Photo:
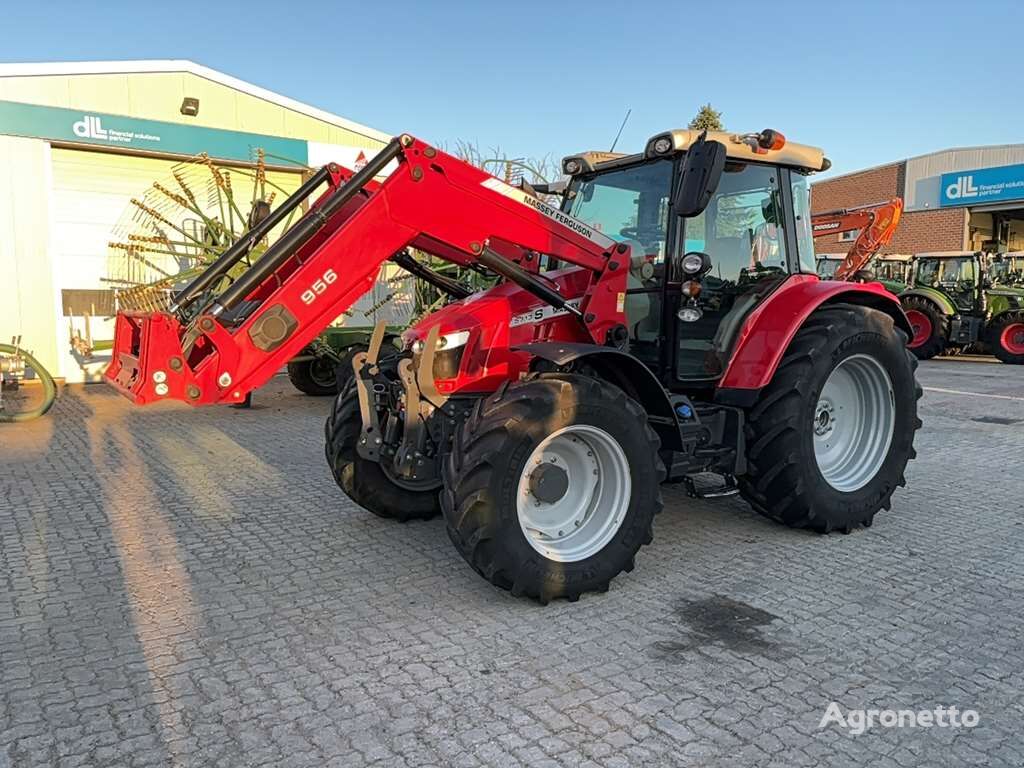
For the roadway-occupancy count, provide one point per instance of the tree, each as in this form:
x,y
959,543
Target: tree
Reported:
x,y
707,119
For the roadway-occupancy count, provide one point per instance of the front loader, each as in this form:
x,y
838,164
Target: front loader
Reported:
x,y
664,321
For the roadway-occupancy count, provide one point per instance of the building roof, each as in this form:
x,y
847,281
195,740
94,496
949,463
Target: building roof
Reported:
x,y
35,69
923,157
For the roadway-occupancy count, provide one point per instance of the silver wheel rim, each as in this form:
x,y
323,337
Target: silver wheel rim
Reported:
x,y
593,507
853,423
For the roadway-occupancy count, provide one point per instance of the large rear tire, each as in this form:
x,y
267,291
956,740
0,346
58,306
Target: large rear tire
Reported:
x,y
1006,338
831,435
929,327
364,481
552,486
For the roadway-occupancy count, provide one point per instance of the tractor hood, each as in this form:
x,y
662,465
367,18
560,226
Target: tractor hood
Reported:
x,y
479,336
505,306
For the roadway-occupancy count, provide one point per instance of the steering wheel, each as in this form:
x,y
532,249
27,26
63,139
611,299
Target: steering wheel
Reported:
x,y
643,234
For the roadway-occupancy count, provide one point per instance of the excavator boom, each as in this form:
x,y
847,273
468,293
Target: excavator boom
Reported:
x,y
876,224
330,257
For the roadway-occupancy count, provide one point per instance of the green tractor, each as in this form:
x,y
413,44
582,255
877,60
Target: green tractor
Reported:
x,y
955,300
891,270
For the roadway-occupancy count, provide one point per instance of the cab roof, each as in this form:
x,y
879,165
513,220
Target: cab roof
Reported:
x,y
738,147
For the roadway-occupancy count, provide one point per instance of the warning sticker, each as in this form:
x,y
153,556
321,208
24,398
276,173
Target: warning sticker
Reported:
x,y
550,211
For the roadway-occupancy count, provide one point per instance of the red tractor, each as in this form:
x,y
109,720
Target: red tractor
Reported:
x,y
664,321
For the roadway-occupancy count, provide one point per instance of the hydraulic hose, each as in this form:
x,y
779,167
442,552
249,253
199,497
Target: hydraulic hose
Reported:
x,y
49,388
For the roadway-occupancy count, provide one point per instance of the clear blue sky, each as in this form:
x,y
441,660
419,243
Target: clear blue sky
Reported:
x,y
868,81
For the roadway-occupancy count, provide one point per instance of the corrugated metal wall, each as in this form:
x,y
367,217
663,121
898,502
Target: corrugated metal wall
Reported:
x,y
921,189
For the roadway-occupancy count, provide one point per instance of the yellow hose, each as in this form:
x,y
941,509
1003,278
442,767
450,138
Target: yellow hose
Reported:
x,y
49,388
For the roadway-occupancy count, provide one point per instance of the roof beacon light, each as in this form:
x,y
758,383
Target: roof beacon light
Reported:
x,y
769,139
761,142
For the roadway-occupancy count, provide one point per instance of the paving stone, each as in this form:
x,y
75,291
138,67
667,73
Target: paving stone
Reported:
x,y
189,587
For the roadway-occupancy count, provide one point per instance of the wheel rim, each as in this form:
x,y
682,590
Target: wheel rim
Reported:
x,y
321,371
854,422
586,516
1012,338
921,325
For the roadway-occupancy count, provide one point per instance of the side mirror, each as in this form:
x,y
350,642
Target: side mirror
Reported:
x,y
702,170
551,188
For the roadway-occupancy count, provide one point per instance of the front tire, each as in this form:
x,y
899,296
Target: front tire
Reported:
x,y
831,434
364,481
559,532
929,327
1006,338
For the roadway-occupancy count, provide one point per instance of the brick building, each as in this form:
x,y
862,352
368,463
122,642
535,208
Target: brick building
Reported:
x,y
956,199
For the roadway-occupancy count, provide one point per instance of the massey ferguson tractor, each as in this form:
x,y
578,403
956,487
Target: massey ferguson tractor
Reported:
x,y
664,321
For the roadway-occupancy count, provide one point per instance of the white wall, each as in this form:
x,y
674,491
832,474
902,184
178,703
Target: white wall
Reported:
x,y
28,306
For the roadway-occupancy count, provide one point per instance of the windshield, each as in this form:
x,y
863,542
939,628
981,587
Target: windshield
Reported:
x,y
945,272
1007,271
628,205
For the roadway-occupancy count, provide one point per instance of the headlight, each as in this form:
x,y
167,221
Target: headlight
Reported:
x,y
690,314
663,145
572,167
447,341
693,263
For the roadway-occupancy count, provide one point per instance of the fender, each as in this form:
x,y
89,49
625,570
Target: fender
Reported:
x,y
936,297
768,330
626,372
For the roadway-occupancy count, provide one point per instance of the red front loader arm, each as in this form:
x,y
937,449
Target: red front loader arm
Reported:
x,y
877,224
328,259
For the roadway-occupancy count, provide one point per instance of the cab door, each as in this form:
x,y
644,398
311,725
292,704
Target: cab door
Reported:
x,y
745,232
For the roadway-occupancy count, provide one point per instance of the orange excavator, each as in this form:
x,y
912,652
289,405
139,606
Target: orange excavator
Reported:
x,y
876,222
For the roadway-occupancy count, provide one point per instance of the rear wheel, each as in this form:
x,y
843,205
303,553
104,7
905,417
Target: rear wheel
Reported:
x,y
553,485
365,481
313,377
929,327
1006,337
831,435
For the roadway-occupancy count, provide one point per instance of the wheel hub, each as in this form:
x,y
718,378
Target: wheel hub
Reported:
x,y
824,418
549,482
573,493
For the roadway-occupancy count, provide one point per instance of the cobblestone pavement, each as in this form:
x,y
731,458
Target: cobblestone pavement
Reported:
x,y
188,587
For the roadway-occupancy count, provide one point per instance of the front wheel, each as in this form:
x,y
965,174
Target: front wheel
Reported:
x,y
831,435
553,485
1006,338
929,327
365,481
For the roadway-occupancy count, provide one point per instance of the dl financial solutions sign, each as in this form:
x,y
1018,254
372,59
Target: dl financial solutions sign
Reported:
x,y
986,185
59,124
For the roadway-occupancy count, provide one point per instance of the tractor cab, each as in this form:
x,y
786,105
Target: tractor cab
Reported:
x,y
694,279
1007,269
828,263
957,274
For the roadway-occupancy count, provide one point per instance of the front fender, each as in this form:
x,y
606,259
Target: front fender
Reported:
x,y
623,370
769,329
938,298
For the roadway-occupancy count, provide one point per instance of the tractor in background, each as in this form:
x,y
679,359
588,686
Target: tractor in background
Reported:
x,y
956,299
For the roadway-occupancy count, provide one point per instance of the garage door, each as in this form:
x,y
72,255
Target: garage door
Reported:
x,y
91,193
